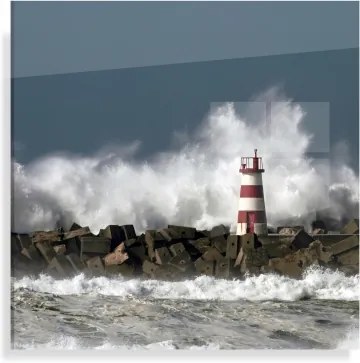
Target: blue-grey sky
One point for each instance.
(65, 37)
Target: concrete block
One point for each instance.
(150, 268)
(95, 265)
(137, 253)
(239, 258)
(131, 242)
(204, 267)
(219, 243)
(219, 230)
(293, 265)
(61, 265)
(25, 240)
(153, 239)
(318, 231)
(289, 230)
(32, 253)
(248, 241)
(80, 232)
(162, 255)
(182, 262)
(352, 227)
(75, 262)
(323, 253)
(129, 231)
(60, 249)
(222, 268)
(184, 232)
(277, 249)
(201, 244)
(115, 234)
(346, 244)
(124, 270)
(94, 245)
(176, 249)
(232, 246)
(46, 250)
(169, 234)
(42, 236)
(300, 240)
(349, 257)
(74, 226)
(15, 245)
(212, 254)
(72, 245)
(117, 257)
(181, 258)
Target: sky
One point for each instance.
(63, 37)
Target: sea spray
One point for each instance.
(317, 283)
(196, 184)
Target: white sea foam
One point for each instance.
(317, 283)
(63, 342)
(196, 184)
(350, 341)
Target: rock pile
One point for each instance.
(179, 252)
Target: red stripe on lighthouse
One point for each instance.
(259, 216)
(251, 191)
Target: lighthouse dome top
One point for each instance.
(251, 164)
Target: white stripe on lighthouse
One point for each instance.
(251, 204)
(251, 179)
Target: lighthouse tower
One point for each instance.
(251, 215)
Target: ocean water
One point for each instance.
(319, 311)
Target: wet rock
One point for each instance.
(74, 226)
(80, 232)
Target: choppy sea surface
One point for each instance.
(319, 311)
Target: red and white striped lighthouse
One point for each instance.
(251, 215)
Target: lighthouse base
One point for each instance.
(259, 228)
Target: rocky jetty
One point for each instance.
(179, 252)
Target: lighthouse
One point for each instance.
(251, 215)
